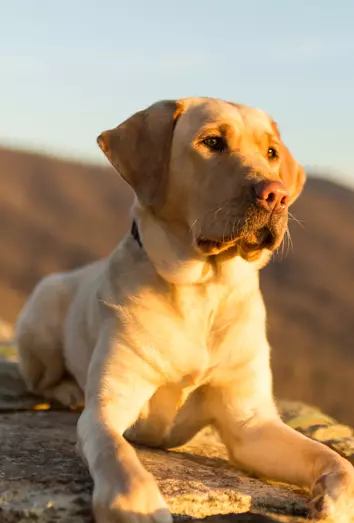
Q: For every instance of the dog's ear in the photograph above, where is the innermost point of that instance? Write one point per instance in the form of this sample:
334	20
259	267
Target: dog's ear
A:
292	174
139	149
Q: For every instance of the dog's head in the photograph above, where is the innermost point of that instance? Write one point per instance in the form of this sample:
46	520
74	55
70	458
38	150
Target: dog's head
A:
217	168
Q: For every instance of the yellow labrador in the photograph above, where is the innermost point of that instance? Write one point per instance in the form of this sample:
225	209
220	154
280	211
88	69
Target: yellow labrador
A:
168	334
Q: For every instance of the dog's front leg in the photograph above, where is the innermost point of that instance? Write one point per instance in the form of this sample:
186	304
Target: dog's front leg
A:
118	386
259	442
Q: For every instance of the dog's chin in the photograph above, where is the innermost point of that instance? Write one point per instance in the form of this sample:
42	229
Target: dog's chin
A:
249	247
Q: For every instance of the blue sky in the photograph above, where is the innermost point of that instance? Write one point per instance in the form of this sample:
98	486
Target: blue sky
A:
70	69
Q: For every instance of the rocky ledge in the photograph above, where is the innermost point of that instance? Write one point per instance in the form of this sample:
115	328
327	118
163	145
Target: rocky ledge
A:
43	480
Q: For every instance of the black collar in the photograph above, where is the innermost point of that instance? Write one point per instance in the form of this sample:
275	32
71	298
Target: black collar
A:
135	233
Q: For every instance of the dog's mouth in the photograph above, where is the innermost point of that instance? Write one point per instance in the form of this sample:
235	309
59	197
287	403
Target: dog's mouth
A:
264	238
210	246
252	233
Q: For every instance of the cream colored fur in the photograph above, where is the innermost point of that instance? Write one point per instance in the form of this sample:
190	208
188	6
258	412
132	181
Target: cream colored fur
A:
167	339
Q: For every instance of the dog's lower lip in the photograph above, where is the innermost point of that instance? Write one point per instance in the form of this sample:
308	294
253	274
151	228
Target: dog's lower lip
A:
205	244
214	244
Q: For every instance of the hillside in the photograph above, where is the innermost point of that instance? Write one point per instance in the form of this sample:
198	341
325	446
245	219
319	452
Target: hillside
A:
57	214
54	215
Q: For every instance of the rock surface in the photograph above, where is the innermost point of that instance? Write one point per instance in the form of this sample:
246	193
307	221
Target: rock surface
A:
43	480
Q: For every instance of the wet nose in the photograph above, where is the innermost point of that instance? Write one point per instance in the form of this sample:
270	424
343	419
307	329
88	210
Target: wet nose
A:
272	196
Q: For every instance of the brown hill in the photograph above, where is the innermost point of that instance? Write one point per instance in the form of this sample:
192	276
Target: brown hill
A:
56	214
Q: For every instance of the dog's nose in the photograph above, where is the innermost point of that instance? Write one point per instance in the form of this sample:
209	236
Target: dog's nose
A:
272	196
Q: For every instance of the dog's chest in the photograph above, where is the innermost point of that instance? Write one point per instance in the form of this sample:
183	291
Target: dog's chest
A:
222	327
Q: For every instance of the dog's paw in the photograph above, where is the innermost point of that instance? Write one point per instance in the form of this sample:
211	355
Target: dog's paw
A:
142	502
67	392
333	497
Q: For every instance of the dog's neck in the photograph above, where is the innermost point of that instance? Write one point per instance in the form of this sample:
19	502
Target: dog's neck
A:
169	249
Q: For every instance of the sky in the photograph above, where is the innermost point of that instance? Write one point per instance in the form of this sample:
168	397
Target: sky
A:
70	69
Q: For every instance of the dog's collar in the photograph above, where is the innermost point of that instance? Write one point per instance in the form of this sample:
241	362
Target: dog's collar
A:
135	233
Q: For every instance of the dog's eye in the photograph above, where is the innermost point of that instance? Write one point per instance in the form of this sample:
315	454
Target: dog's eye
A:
272	153
215	142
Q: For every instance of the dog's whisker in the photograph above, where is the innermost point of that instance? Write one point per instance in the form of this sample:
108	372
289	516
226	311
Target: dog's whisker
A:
282	250
299	222
290	240
194	224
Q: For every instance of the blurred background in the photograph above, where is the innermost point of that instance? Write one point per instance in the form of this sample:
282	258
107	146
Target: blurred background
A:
72	69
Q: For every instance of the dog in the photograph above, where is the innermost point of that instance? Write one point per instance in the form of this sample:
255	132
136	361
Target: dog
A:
168	334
